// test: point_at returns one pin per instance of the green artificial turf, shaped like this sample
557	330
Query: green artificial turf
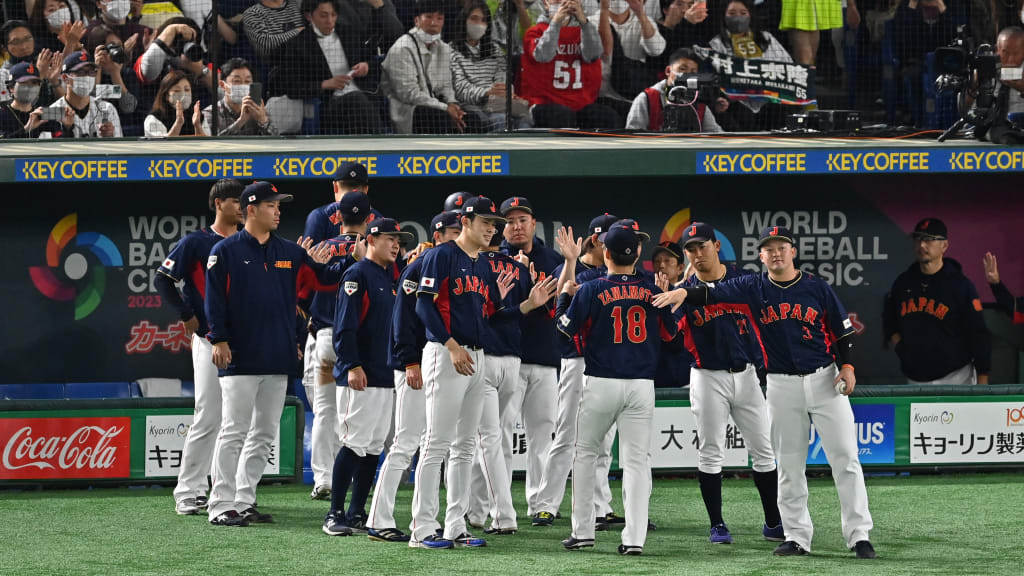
954	524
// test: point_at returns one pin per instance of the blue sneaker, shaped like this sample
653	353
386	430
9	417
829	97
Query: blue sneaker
432	542
776	534
720	534
467	540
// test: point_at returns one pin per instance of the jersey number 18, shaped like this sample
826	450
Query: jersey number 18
636	324
563	76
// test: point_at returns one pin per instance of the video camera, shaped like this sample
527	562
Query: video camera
688	89
972	70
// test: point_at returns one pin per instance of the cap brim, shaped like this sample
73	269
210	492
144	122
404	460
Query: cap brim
926	235
660	249
770	238
494	217
28	77
279	198
400	233
699	239
644	235
514	208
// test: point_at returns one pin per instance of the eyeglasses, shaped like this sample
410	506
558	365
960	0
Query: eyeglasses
19	41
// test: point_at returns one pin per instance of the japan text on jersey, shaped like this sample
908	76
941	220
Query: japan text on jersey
454	296
721	336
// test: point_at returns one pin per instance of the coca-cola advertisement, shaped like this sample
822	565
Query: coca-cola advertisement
65	448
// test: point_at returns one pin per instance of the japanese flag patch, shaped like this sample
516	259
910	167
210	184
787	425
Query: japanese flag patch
847	324
169	264
564	321
409	286
351	287
211	261
427	282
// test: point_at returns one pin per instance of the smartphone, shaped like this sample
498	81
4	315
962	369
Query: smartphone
54	114
256	92
108	91
1011	73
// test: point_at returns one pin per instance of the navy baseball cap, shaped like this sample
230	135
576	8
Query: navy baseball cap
429	7
262	191
698	232
516	203
446	219
354	204
627	223
601	224
622	239
76	61
776	233
387	226
670	247
352	172
481	206
930	228
456	200
24	71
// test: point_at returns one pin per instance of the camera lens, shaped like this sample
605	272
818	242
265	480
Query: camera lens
193	52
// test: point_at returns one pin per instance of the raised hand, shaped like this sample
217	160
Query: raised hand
991	268
674	298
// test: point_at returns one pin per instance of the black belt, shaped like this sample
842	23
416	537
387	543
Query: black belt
473	347
815	371
738	369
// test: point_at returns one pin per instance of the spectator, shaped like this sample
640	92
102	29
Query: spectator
652	111
742	37
805	19
271	23
933	316
168	52
418	78
104	45
561	74
479	71
328	60
19	117
685	24
229	18
638	41
89	117
377	19
114	15
18	45
1014	308
525	14
174	113
238	114
57	25
921	26
1010	48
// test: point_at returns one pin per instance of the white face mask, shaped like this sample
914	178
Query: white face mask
618	6
476	31
59	18
428	38
184	97
239	92
117	10
26	93
82	85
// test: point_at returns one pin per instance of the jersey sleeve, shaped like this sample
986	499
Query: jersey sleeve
836	320
353	305
177	261
432	275
668	324
405	325
576	311
738	290
218	283
314	276
979	338
313	227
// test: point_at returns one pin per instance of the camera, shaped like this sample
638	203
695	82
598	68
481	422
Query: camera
116	52
193	51
688	89
969	70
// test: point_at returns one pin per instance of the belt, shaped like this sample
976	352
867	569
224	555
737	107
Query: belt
804	373
472	347
738	369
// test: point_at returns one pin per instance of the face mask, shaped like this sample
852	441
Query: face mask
239	92
184	97
26	93
59	18
476	31
618	6
428	38
82	85
553	8
117	10
737	24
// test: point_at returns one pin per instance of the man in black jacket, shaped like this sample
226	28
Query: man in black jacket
332	59
933	316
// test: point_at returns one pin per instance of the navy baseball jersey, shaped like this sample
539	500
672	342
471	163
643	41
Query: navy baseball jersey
187	262
325	222
366	301
573	347
540	340
324	303
720	336
505	336
800	322
251	297
407	334
624	332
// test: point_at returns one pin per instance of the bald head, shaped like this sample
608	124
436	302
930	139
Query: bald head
1010	46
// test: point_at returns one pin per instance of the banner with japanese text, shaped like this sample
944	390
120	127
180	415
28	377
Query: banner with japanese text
962	432
765	80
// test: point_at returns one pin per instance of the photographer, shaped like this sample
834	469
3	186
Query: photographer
1010	48
111	55
656	109
20	118
84	116
238	114
115	16
176	46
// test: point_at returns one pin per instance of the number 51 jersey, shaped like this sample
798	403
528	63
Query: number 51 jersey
565	80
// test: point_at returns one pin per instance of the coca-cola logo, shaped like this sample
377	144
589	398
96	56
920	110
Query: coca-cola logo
46	448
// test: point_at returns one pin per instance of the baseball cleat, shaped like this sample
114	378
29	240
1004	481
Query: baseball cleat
543	519
467	540
775	534
600	525
387	535
357	523
790	548
630	550
572	543
229	518
864	550
613	518
558	515
475	523
187	507
651	526
320	493
720	534
202	502
492	531
334	525
432	543
254	516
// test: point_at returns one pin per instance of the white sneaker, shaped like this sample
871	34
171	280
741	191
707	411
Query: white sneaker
187	507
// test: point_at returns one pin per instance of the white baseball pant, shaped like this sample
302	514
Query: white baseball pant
453	406
366	420
255	401
793	402
321	390
963	376
410	421
714	395
536	399
552	490
197	455
492	480
630	405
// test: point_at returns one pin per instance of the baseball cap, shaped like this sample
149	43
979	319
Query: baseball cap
387	226
24	71
446	219
601	224
352	172
775	233
262	191
670	247
626	223
429	7
930	228
516	203
481	206
354	204
698	232
622	239
456	200
76	61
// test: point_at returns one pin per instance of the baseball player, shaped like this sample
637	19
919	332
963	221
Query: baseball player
805	331
624	333
186	263
1014	308
252	279
325	222
407	338
366	301
455	201
454	297
725	348
535	401
673	369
